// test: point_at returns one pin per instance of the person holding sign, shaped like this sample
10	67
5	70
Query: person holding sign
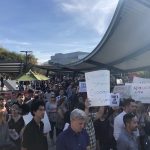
103	130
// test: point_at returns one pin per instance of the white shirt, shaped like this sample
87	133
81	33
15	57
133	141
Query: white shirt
47	126
118	125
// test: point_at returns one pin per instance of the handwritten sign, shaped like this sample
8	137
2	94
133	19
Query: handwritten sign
123	90
141	80
98	87
82	87
141	92
114	99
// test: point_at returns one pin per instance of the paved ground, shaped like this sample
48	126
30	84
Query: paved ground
50	146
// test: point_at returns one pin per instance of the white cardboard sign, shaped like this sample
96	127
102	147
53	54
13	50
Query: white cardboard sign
98	87
123	90
141	92
141	80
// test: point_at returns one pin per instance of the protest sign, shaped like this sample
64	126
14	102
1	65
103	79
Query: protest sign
82	87
98	87
141	80
114	99
141	92
123	90
128	84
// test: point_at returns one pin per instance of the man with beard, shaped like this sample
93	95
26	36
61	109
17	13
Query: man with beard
127	139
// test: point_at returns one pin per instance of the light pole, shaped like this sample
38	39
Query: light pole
26	57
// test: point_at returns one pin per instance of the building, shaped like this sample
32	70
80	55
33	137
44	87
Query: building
68	58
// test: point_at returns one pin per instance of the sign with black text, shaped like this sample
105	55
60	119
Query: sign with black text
98	87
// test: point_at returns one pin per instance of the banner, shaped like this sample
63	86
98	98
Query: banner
114	99
98	87
123	90
141	92
141	80
82	87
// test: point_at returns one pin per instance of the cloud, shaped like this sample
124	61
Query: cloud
42	56
67	44
62	47
43	51
95	14
13	42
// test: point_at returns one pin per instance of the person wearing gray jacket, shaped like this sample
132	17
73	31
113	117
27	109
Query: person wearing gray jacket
127	139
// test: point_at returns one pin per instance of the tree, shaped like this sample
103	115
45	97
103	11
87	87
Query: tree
9	56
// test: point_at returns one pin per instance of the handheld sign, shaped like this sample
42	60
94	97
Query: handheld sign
98	87
82	87
123	90
114	99
141	80
141	92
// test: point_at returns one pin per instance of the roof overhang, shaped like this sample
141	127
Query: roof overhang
11	67
126	44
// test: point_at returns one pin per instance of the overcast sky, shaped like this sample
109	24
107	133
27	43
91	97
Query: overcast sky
46	27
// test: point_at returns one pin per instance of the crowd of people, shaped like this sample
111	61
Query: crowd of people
55	109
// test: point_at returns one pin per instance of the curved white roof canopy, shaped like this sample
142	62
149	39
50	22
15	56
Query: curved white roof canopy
126	44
